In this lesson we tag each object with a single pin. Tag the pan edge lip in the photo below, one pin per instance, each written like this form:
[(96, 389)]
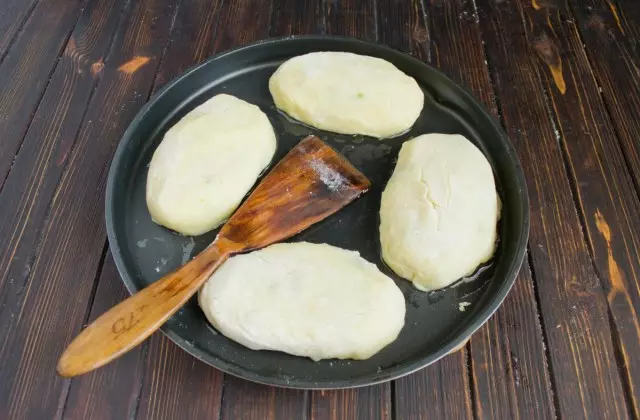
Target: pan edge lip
[(400, 370)]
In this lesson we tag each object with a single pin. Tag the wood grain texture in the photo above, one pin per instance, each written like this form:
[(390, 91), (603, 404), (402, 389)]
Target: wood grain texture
[(54, 302), (195, 28), (628, 13), (456, 48), (242, 22), (368, 403), (297, 17), (251, 401), (402, 26), (355, 18), (589, 139), (610, 41), (111, 392), (439, 391), (13, 16), (37, 169), (574, 307), (177, 385), (510, 372), (25, 71)]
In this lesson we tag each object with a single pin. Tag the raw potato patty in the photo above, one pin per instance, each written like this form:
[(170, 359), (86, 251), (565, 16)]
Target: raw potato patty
[(439, 211), (207, 163), (347, 93), (312, 300)]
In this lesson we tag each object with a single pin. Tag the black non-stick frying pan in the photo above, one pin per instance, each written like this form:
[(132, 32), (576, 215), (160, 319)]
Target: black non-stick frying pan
[(436, 322)]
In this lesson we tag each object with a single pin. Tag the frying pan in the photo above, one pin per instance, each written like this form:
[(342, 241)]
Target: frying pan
[(436, 322)]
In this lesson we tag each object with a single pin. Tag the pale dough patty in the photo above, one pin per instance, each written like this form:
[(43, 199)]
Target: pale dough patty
[(207, 163), (439, 211), (312, 300), (347, 93)]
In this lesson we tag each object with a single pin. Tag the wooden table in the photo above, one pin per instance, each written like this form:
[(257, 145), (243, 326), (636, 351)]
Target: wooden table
[(562, 76)]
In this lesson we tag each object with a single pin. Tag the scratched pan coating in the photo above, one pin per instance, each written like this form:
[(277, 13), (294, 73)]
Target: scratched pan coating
[(435, 323)]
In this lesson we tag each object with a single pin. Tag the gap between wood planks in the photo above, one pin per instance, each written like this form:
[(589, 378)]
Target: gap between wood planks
[(106, 36), (64, 393), (614, 278), (34, 108), (552, 378), (130, 67), (43, 213), (26, 15), (606, 41), (572, 182)]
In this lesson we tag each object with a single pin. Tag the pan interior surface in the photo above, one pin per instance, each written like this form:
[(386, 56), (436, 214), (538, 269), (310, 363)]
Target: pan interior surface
[(436, 322)]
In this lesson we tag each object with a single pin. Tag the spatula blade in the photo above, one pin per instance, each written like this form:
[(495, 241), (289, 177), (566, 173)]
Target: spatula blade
[(310, 183)]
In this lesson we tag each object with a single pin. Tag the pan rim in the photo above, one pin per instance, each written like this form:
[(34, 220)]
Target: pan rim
[(458, 338)]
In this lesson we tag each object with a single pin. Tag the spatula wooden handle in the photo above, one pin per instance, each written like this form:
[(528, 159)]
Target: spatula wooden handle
[(130, 322)]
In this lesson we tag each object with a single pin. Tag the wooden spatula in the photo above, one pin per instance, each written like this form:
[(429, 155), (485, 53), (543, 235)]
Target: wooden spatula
[(310, 183)]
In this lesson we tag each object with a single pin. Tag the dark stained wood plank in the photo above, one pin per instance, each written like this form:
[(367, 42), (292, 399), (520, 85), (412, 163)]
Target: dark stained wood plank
[(573, 306), (37, 168), (160, 362), (297, 17), (401, 25), (191, 39), (242, 22), (628, 12), (597, 164), (111, 392), (456, 48), (439, 391), (249, 401), (608, 41), (177, 385), (356, 18), (368, 403), (13, 15), (510, 372), (25, 71), (54, 302)]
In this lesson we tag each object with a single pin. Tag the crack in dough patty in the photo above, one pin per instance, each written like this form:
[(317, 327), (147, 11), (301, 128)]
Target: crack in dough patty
[(347, 93), (439, 211), (312, 300), (207, 163)]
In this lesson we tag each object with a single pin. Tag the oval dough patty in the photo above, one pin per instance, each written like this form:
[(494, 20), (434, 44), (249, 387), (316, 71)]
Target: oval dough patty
[(312, 300), (347, 93), (439, 211), (207, 163)]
